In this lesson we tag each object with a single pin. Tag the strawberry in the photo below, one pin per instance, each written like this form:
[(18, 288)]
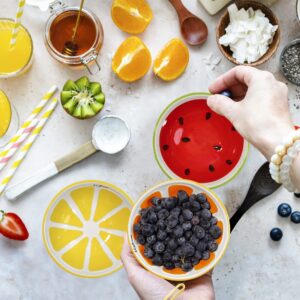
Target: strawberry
[(12, 227)]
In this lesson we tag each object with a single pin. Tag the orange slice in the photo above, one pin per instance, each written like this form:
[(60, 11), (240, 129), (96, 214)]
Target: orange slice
[(132, 16), (132, 60), (5, 114), (172, 60), (84, 227)]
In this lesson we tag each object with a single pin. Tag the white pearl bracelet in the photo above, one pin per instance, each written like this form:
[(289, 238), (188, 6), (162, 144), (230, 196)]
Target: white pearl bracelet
[(282, 160)]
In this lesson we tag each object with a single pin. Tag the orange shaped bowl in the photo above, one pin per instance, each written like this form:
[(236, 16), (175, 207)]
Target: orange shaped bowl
[(170, 188)]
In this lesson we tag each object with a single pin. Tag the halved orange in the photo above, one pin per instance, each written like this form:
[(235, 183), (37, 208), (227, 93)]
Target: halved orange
[(132, 60), (132, 16), (5, 114), (172, 60)]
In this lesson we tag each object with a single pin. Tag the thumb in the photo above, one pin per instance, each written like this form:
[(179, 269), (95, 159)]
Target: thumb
[(223, 106)]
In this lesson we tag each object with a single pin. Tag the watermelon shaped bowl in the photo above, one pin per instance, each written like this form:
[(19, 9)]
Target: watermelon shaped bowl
[(192, 142)]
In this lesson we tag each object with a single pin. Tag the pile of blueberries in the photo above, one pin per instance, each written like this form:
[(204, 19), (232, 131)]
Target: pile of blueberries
[(285, 210), (178, 232)]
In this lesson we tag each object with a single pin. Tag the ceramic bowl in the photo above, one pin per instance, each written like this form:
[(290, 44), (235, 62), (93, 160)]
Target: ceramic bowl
[(170, 188), (215, 153), (224, 21), (83, 228)]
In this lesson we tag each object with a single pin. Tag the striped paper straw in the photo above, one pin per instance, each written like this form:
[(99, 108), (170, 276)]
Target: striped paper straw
[(33, 115), (16, 145), (25, 149), (17, 22)]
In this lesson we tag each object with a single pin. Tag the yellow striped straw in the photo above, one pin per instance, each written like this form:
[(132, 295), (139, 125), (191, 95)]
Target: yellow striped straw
[(17, 22), (26, 124), (176, 292), (25, 149)]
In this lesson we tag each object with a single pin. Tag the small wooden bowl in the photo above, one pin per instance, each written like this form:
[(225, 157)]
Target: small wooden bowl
[(224, 21)]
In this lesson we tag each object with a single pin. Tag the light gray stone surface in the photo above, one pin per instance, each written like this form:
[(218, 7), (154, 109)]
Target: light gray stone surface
[(253, 267)]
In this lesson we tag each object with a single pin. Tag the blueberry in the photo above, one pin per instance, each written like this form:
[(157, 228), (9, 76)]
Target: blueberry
[(172, 221), (198, 254), (152, 217), (187, 266), (144, 212), (212, 246), (201, 198), (148, 252), (215, 231), (276, 234), (195, 261), (163, 214), (195, 220), (205, 214), (137, 228), (179, 251), (161, 224), (169, 265), (192, 198), (182, 196), (297, 195), (141, 239), (213, 221), (188, 249), (178, 232), (295, 217), (187, 214), (172, 244), (159, 247), (167, 256), (205, 205), (175, 211), (169, 230), (194, 240), (199, 232), (156, 201), (186, 205), (195, 206), (170, 203), (284, 210), (186, 226), (178, 264), (188, 234), (205, 255), (148, 229), (181, 240), (157, 260), (151, 239), (201, 246), (175, 258), (226, 93), (181, 220), (205, 223), (161, 235)]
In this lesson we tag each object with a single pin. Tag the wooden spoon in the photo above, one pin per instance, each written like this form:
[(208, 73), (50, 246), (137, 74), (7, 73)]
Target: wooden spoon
[(193, 29), (261, 186)]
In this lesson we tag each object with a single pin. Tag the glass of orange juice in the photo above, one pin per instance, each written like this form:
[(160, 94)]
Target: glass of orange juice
[(14, 60), (9, 120)]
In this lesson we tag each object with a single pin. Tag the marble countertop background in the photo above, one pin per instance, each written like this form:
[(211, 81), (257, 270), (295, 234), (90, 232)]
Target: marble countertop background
[(253, 267)]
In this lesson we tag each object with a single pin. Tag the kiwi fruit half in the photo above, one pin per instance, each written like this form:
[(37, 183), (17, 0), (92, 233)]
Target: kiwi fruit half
[(82, 99)]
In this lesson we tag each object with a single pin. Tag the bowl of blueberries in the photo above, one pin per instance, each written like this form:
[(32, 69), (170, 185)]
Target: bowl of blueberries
[(179, 230)]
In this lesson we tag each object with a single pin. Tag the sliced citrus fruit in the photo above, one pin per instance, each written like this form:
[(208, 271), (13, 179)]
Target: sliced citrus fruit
[(132, 60), (172, 60), (5, 114), (132, 16), (83, 228)]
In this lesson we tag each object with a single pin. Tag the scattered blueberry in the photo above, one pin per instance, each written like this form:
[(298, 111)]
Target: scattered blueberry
[(226, 93), (159, 247), (149, 252), (157, 260), (151, 239), (178, 232), (205, 255), (215, 231), (187, 266), (295, 217), (276, 234), (297, 195), (182, 196), (212, 246), (172, 221), (284, 210), (187, 214)]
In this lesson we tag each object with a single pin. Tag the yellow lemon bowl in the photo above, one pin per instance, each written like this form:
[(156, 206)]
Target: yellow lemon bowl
[(170, 189), (83, 228)]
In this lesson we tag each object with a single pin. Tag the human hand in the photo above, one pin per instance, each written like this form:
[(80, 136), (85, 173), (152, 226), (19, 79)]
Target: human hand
[(260, 112), (151, 287)]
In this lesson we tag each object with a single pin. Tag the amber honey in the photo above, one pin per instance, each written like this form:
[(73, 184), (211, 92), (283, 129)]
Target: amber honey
[(61, 31)]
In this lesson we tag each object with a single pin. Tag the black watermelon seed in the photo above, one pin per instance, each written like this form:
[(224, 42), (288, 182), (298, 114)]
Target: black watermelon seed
[(180, 120), (211, 168), (217, 147), (229, 162), (208, 115), (187, 171), (233, 128), (186, 139), (165, 147)]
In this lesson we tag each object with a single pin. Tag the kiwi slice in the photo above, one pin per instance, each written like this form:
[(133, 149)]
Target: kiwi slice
[(82, 99)]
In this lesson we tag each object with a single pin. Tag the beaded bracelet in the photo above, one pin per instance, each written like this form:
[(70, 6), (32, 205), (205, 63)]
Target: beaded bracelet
[(283, 158)]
